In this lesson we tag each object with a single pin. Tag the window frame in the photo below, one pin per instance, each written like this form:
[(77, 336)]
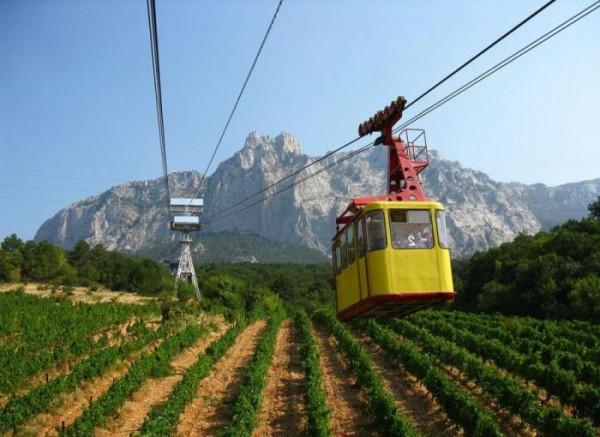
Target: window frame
[(361, 237), (384, 227), (445, 244), (433, 239), (344, 250), (335, 251), (339, 251), (351, 245)]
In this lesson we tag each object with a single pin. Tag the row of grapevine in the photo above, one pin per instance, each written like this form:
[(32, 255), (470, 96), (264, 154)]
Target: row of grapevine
[(51, 332), (542, 329), (558, 328), (31, 317), (507, 391), (163, 418), (316, 406), (154, 364), (581, 325), (459, 404), (531, 339), (20, 408), (248, 401), (586, 371), (380, 403), (557, 381)]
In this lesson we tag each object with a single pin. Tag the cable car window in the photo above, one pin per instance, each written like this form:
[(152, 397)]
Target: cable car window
[(361, 239), (411, 229), (440, 217), (376, 238), (344, 250), (338, 257), (335, 258), (351, 250)]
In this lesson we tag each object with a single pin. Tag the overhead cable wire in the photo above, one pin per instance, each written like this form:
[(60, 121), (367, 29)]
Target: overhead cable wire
[(506, 61), (158, 93), (425, 93), (292, 185), (481, 52), (291, 175), (239, 97)]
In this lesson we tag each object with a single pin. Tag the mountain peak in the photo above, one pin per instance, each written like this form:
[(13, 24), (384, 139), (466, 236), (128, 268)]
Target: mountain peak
[(481, 212), (288, 143), (282, 143)]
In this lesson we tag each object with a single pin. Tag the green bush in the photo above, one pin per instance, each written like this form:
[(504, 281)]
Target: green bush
[(536, 275), (186, 292), (84, 265), (585, 297)]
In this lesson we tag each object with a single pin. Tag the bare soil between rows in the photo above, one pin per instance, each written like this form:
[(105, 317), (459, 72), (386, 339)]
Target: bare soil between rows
[(283, 411), (344, 399), (155, 391), (69, 406), (212, 407), (412, 399)]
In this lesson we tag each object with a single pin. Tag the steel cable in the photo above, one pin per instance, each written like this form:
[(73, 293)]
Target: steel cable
[(239, 97), (506, 61), (158, 93), (429, 90)]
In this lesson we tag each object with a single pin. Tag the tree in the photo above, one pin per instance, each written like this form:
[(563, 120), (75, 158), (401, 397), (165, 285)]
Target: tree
[(594, 209), (10, 266), (79, 254), (146, 277), (12, 243), (585, 297)]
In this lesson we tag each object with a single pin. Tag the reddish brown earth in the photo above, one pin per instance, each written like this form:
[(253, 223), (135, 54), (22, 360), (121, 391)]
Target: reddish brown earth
[(154, 391), (511, 425), (115, 334), (345, 402), (211, 408), (412, 399), (283, 412), (69, 406)]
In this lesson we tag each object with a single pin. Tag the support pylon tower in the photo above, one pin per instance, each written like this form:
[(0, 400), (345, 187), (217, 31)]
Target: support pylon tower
[(185, 218), (185, 270)]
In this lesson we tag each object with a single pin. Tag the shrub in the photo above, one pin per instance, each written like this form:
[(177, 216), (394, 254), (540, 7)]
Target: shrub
[(585, 297)]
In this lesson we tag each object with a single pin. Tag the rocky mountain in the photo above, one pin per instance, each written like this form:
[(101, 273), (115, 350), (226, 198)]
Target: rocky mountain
[(481, 212)]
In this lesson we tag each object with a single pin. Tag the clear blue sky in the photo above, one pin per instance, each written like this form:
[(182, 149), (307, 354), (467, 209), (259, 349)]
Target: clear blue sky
[(77, 110)]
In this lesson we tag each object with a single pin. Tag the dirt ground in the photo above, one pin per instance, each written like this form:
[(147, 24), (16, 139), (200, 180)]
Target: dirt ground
[(283, 412), (411, 397), (80, 294), (211, 408), (132, 414), (344, 399), (511, 425), (69, 406)]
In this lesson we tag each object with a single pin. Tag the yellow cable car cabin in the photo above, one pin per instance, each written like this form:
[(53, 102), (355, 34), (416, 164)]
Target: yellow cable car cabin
[(392, 259), (390, 252)]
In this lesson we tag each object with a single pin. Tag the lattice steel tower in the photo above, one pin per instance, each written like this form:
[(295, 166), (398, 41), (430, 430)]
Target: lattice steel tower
[(185, 218)]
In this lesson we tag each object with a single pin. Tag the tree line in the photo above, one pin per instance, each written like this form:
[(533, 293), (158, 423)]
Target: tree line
[(554, 274), (225, 287), (42, 261)]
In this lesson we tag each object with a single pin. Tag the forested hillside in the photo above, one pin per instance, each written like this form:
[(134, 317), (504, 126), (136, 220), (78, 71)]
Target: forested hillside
[(554, 274), (84, 265), (551, 274), (226, 287)]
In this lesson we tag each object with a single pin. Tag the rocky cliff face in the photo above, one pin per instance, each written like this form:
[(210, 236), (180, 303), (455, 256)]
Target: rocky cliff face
[(126, 218), (481, 212)]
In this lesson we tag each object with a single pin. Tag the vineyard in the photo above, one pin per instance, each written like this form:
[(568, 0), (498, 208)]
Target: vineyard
[(112, 369)]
